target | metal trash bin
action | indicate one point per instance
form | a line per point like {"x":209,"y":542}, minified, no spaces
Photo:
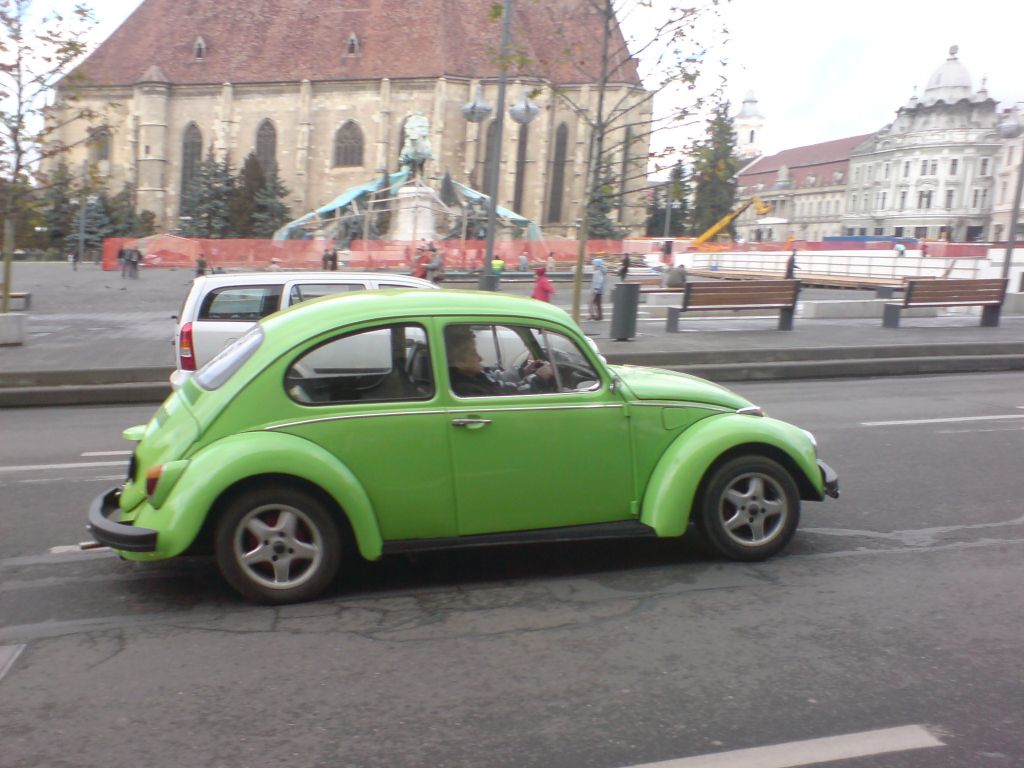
{"x":625,"y":304}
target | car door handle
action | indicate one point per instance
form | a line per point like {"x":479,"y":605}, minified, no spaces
{"x":471,"y":423}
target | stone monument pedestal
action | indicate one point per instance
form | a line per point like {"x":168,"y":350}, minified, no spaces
{"x":416,"y":214}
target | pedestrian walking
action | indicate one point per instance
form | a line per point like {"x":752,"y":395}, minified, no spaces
{"x":666,"y":253}
{"x":419,"y":268}
{"x":201,"y":266}
{"x":791,"y":266}
{"x":543,"y":290}
{"x":624,"y":268}
{"x":435,"y":267}
{"x":598,"y":280}
{"x":122,"y":256}
{"x":524,"y":262}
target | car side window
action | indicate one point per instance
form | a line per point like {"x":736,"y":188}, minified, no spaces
{"x":488,"y":360}
{"x":376,"y":365}
{"x":306,"y":291}
{"x":240,"y":302}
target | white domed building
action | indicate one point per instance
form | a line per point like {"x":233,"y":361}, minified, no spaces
{"x":931,"y":172}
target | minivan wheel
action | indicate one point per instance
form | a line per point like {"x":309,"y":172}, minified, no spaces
{"x":750,"y":508}
{"x":277,"y":545}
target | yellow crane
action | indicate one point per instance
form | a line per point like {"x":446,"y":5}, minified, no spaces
{"x":760,"y":206}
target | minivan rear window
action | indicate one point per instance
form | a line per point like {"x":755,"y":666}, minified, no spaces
{"x":247,"y":303}
{"x":213,"y":375}
{"x":305,"y":291}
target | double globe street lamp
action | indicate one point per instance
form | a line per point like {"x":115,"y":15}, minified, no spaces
{"x":477,"y":111}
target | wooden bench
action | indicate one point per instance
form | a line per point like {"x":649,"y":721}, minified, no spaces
{"x":987,"y":294}
{"x":749,"y":294}
{"x":24,"y":296}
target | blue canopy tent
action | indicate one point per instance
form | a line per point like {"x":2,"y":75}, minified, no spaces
{"x":296,"y":229}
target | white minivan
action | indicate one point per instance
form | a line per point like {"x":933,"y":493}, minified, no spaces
{"x":220,"y":308}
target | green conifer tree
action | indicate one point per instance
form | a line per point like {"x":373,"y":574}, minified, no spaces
{"x":602,"y":201}
{"x":271,"y":212}
{"x":212,"y":217}
{"x":250,"y":181}
{"x":674,"y":196}
{"x":58,"y":210}
{"x":714,"y":172}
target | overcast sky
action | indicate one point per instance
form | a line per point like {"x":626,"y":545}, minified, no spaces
{"x":824,"y":69}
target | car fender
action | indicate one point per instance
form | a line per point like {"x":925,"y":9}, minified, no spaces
{"x":218,"y":466}
{"x":673,"y":485}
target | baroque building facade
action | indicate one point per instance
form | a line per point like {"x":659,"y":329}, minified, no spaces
{"x":940,"y":170}
{"x":322,"y":91}
{"x":931,"y":172}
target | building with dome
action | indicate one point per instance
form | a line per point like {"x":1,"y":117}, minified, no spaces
{"x":322,"y":92}
{"x":931,"y":172}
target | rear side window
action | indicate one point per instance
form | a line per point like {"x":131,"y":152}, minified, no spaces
{"x":378,"y":365}
{"x":240,"y":302}
{"x":397,"y":285}
{"x":307,"y":291}
{"x":213,"y":375}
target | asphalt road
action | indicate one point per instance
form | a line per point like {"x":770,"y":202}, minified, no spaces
{"x":898,"y":605}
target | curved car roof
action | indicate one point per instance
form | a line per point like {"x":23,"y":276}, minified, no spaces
{"x":318,"y":315}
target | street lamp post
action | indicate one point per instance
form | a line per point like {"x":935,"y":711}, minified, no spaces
{"x":477,"y":111}
{"x":1011,"y":128}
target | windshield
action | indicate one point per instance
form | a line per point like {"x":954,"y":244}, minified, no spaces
{"x":230,"y":359}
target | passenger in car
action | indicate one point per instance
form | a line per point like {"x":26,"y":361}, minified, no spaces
{"x":470,"y":379}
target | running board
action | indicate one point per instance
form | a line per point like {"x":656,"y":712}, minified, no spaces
{"x":627,"y":529}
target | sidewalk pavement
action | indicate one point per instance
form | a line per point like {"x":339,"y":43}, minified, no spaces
{"x":97,"y":338}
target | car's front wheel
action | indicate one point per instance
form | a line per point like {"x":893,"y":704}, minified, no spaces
{"x":278,"y":545}
{"x":750,"y":508}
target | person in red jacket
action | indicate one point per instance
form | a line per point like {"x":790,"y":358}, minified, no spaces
{"x":542,"y":289}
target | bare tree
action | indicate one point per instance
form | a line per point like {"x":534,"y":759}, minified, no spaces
{"x":37,"y":50}
{"x":651,"y":62}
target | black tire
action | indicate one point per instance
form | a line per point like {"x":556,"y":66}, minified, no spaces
{"x":278,"y":545}
{"x":750,"y":508}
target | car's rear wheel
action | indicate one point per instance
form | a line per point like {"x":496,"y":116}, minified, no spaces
{"x":750,"y":508}
{"x":278,"y":545}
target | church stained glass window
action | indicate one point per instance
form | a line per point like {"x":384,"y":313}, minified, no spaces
{"x":348,"y":145}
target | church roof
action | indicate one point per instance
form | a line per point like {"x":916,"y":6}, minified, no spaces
{"x":291,"y":40}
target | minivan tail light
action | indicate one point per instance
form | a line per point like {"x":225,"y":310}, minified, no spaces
{"x":186,"y":355}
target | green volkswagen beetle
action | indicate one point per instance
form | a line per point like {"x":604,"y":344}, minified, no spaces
{"x":397,"y":421}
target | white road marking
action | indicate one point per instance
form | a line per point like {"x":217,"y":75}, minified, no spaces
{"x":106,"y":453}
{"x":74,"y":549}
{"x":8,"y":655}
{"x":79,"y":465}
{"x":812,"y":751}
{"x":977,"y":431}
{"x":65,"y":479}
{"x":941,"y":421}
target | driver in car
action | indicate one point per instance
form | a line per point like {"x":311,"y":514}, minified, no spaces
{"x":470,"y":379}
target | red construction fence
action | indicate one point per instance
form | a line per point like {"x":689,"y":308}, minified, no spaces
{"x":182,"y":253}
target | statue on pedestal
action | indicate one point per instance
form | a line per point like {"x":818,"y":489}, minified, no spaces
{"x":416,"y":150}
